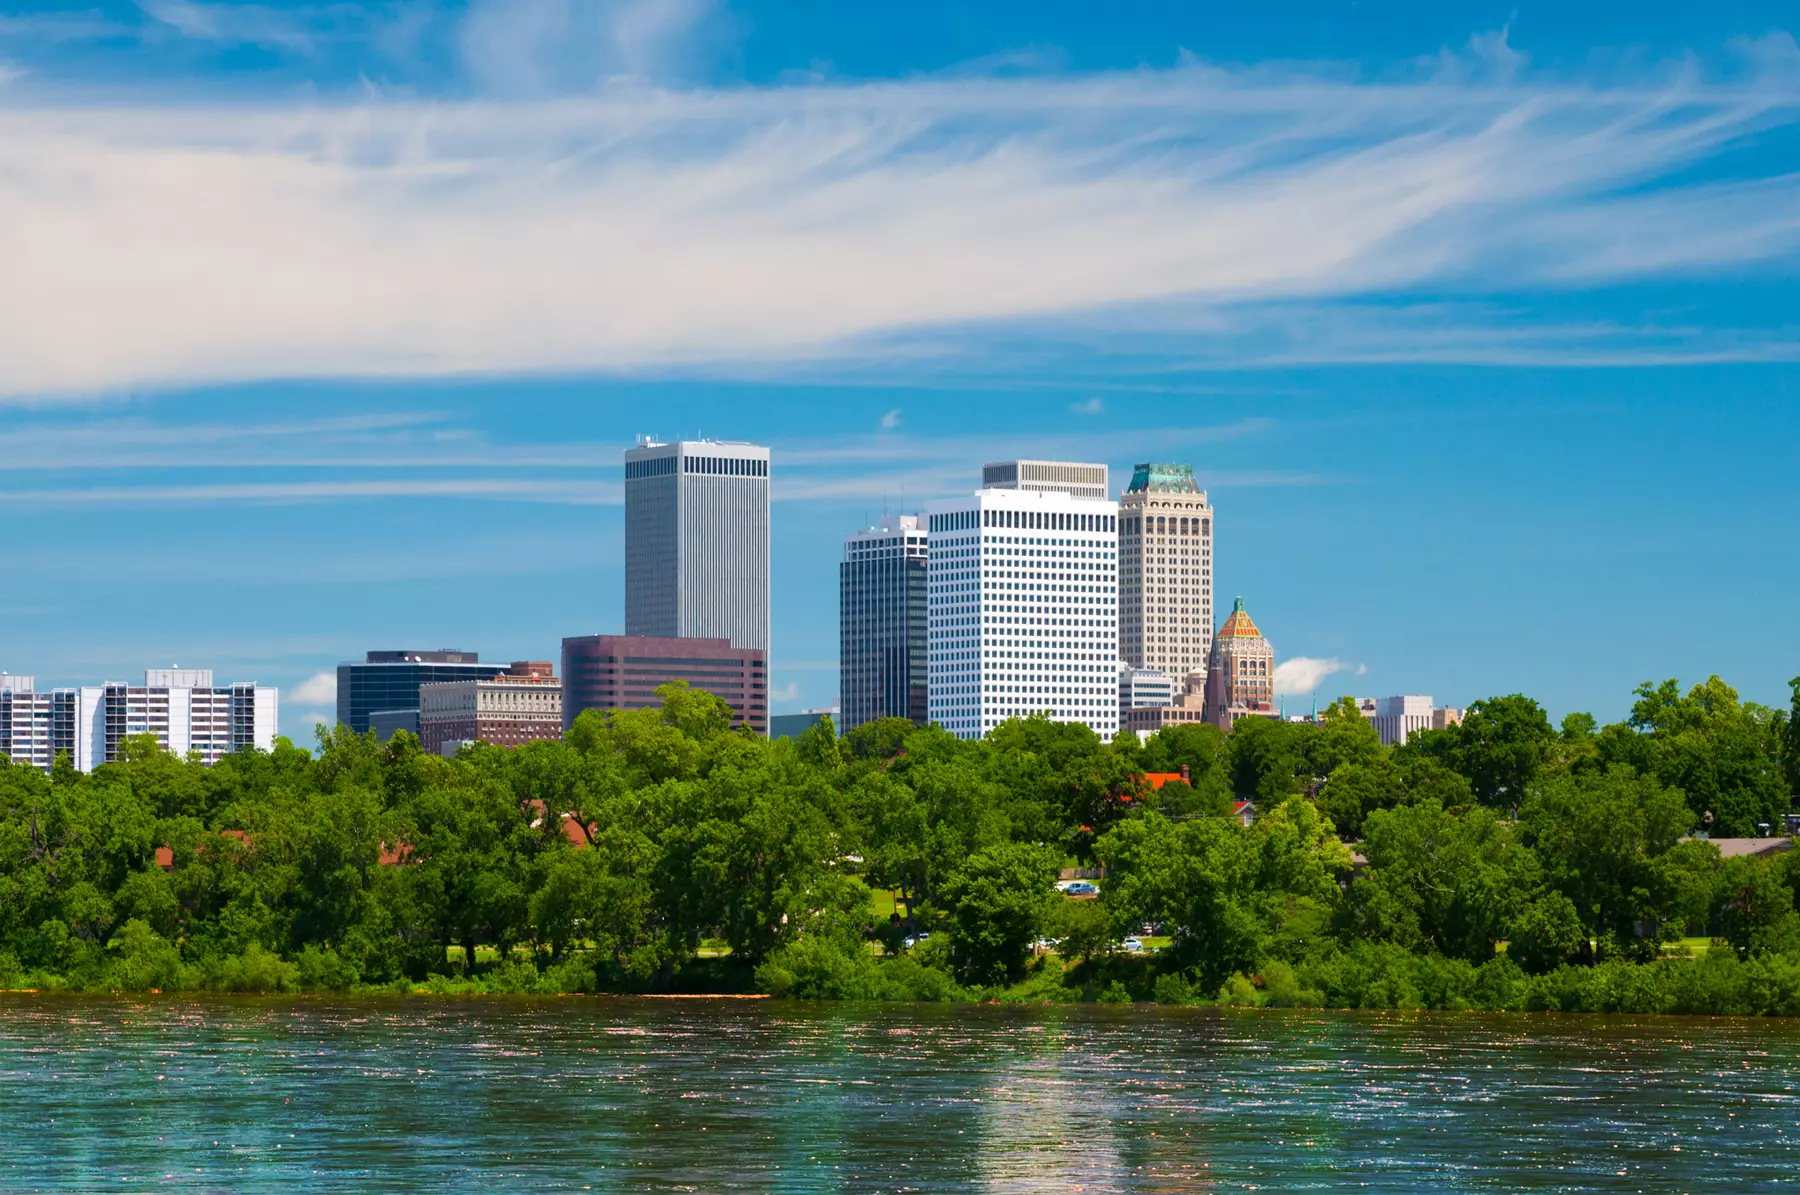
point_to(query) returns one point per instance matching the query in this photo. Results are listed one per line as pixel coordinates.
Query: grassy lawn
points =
(884, 903)
(1699, 946)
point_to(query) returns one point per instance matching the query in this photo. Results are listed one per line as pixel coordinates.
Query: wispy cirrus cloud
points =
(653, 230)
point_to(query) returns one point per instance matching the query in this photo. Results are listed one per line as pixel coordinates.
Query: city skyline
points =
(1473, 322)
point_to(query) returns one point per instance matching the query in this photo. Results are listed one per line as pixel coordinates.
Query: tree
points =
(1269, 759)
(1724, 755)
(1599, 837)
(1501, 747)
(999, 902)
(1790, 741)
(1438, 881)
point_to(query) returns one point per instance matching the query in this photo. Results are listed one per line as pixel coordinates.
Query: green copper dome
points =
(1159, 476)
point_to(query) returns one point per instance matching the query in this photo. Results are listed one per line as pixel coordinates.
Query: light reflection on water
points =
(614, 1095)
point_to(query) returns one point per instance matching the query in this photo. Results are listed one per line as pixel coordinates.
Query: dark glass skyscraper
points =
(390, 680)
(881, 623)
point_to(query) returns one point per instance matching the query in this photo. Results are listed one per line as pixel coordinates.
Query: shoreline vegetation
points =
(1503, 865)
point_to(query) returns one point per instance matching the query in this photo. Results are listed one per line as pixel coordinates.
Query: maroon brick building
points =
(622, 672)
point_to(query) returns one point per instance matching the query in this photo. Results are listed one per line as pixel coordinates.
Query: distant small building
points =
(1187, 706)
(522, 705)
(788, 726)
(1398, 718)
(1754, 848)
(1140, 687)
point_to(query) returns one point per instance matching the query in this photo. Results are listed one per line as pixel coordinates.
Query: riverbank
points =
(1718, 983)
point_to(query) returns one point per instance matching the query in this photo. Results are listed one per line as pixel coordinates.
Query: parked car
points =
(1082, 888)
(1132, 946)
(912, 940)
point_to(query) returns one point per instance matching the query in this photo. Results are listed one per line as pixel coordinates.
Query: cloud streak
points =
(1304, 674)
(654, 230)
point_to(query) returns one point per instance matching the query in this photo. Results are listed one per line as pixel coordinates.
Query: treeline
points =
(1505, 863)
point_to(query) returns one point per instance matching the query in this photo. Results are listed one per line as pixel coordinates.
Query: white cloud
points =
(319, 689)
(303, 723)
(891, 420)
(642, 229)
(1091, 406)
(1303, 674)
(537, 47)
(787, 692)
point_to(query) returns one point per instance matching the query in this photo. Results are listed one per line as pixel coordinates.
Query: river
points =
(705, 1095)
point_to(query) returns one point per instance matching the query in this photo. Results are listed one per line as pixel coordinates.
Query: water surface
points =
(692, 1095)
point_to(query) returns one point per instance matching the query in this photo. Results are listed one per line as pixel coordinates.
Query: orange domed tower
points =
(1240, 675)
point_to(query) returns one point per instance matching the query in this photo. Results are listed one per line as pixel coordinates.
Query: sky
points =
(323, 327)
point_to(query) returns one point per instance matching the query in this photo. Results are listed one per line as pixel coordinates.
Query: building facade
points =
(1240, 679)
(697, 541)
(622, 672)
(882, 627)
(388, 682)
(1398, 718)
(1140, 687)
(1022, 606)
(523, 706)
(1146, 720)
(1165, 571)
(36, 727)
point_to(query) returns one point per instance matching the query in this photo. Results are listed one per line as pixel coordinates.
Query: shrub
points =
(1239, 992)
(818, 969)
(1175, 988)
(145, 961)
(256, 970)
(322, 969)
(1282, 988)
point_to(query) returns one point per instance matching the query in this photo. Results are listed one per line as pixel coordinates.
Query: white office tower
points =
(182, 709)
(1165, 571)
(1078, 479)
(881, 623)
(697, 541)
(1022, 600)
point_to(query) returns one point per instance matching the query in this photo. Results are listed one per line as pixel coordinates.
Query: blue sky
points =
(322, 327)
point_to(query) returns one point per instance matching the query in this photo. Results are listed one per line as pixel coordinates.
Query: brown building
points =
(1240, 679)
(1189, 706)
(521, 705)
(622, 672)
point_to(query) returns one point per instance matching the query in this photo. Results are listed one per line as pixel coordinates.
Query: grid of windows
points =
(1165, 571)
(1023, 611)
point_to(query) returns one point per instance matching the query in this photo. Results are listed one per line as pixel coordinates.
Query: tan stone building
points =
(1165, 571)
(1240, 678)
(522, 707)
